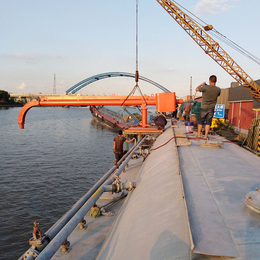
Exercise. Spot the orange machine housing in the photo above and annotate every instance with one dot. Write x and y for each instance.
(165, 102)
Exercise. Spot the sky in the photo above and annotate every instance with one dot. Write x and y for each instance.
(78, 39)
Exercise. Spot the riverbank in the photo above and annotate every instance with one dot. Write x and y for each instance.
(11, 105)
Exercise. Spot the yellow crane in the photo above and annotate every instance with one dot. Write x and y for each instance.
(211, 47)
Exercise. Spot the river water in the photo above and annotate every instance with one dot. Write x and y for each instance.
(45, 168)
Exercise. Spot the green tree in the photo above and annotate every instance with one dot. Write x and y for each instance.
(4, 96)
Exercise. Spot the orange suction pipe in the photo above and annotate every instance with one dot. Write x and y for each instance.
(163, 102)
(144, 115)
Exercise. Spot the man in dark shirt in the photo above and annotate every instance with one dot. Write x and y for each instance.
(187, 109)
(210, 95)
(118, 145)
(160, 121)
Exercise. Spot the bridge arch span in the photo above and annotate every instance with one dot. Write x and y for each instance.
(94, 78)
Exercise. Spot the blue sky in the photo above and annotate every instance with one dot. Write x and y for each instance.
(79, 39)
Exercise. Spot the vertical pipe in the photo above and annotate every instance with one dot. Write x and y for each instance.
(144, 115)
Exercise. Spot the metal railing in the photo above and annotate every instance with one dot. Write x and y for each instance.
(60, 231)
(253, 137)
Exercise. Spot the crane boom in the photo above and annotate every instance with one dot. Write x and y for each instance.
(211, 47)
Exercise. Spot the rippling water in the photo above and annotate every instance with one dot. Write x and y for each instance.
(45, 168)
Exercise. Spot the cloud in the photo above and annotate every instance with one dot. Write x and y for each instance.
(213, 7)
(21, 56)
(31, 57)
(22, 86)
(55, 56)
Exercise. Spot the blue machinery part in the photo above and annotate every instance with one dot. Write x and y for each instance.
(94, 78)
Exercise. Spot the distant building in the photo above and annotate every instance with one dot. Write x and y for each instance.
(243, 107)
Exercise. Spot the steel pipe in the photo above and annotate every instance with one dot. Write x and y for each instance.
(93, 195)
(124, 186)
(54, 245)
(54, 230)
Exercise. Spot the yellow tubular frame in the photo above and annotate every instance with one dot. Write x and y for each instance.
(211, 47)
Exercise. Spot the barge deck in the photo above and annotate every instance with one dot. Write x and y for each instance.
(188, 204)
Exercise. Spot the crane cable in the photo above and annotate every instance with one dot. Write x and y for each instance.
(222, 37)
(136, 37)
(235, 46)
(136, 62)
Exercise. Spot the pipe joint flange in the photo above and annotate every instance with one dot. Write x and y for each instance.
(31, 252)
(131, 186)
(118, 184)
(82, 224)
(113, 188)
(65, 246)
(117, 179)
(34, 243)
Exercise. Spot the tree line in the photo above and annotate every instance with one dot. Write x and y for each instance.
(5, 98)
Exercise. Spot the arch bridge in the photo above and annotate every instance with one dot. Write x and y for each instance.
(92, 79)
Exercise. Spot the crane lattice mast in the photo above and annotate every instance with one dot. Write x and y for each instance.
(211, 47)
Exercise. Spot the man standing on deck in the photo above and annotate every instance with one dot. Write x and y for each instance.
(118, 145)
(187, 109)
(210, 94)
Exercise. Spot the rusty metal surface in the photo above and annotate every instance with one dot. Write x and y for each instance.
(209, 143)
(179, 131)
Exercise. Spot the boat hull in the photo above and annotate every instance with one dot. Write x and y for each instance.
(107, 121)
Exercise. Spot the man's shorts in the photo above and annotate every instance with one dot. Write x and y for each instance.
(206, 115)
(118, 155)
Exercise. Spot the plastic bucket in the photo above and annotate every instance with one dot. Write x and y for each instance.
(189, 127)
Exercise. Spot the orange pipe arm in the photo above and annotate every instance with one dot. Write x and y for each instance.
(23, 112)
(162, 98)
(84, 101)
